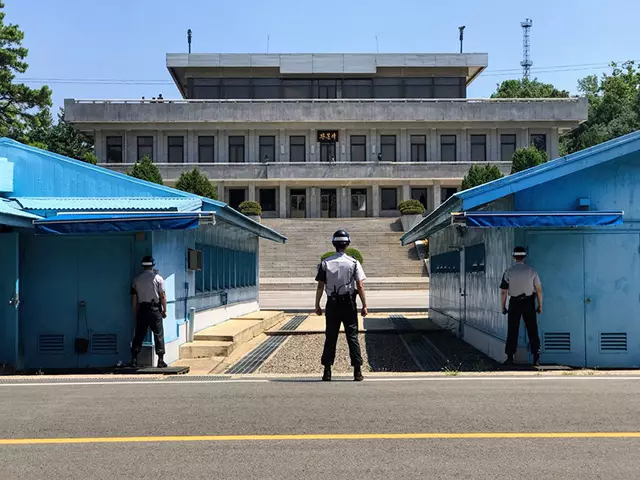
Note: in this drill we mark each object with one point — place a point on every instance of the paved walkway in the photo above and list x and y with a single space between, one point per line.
396 300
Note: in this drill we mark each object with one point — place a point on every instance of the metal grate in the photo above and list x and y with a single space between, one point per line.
51 343
104 343
613 342
251 362
557 341
295 322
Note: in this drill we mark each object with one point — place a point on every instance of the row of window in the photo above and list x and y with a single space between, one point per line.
297 148
224 268
277 88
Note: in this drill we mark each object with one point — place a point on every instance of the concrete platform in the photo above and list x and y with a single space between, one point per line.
375 323
378 301
371 283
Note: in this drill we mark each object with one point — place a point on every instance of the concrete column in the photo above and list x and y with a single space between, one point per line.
406 192
553 144
282 147
373 142
252 192
375 199
223 148
523 138
160 148
283 200
437 195
132 147
251 147
341 146
403 154
125 148
312 147
313 203
434 145
463 146
345 203
191 149
99 145
493 151
221 193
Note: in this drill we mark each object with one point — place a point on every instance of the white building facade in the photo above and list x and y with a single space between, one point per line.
324 135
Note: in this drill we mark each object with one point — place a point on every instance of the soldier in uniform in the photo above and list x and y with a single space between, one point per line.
341 276
522 285
149 304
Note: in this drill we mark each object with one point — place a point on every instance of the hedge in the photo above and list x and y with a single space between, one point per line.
250 208
352 252
411 207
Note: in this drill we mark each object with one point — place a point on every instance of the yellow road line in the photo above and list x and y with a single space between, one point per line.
331 436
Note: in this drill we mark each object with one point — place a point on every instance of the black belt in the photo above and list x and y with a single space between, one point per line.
344 297
522 297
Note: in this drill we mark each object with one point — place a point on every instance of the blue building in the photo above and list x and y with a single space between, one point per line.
579 218
71 239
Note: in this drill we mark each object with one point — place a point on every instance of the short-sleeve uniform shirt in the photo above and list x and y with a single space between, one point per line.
148 286
520 279
340 272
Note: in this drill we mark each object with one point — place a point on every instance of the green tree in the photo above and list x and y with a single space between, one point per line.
524 158
61 138
145 169
196 182
525 88
19 104
479 175
614 108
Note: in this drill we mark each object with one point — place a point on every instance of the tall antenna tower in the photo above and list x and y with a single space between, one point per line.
526 48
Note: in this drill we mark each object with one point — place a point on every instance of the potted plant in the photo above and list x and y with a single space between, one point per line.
412 212
352 252
252 210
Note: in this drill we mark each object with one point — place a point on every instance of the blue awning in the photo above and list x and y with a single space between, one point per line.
91 223
538 219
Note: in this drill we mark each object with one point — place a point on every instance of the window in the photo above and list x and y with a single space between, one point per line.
389 198
507 147
268 199
224 268
266 88
145 147
326 89
478 148
445 193
387 87
296 88
539 140
388 148
176 149
358 148
204 88
448 87
114 149
418 87
421 195
267 148
206 149
357 88
236 149
448 150
236 88
418 148
297 148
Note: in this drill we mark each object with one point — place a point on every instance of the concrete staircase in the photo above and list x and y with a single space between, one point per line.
378 239
222 339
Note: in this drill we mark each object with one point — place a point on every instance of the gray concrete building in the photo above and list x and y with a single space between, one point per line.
324 135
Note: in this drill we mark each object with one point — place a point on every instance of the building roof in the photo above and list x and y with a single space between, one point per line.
11 214
547 172
109 204
324 63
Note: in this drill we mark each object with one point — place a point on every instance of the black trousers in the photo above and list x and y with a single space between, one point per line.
522 308
149 316
341 311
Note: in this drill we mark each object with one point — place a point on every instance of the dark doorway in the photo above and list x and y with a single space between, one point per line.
358 202
328 203
420 194
298 202
236 197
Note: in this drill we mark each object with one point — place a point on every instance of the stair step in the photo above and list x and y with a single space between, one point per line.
206 349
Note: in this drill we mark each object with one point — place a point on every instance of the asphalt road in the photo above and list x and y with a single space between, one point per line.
437 407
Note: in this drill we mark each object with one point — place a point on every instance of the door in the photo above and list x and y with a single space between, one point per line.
611 300
420 194
298 201
358 202
327 152
328 203
559 261
236 197
76 288
9 298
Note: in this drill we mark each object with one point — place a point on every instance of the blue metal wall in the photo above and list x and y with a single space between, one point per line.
8 309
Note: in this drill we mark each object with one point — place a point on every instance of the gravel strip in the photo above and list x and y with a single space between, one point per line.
461 356
301 354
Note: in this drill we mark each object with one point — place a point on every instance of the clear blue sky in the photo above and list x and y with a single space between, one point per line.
127 39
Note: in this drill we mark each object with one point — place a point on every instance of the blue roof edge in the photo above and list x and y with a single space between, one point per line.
236 218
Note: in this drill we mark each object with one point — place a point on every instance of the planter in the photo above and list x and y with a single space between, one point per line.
410 221
257 218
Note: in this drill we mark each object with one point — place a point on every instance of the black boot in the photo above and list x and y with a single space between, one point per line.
536 360
134 362
327 374
161 363
509 360
357 374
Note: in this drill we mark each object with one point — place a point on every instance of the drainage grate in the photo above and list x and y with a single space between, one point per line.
51 343
557 341
400 322
613 342
104 343
294 323
424 353
251 362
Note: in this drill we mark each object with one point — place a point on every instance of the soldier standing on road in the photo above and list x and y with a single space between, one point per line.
522 285
149 304
341 276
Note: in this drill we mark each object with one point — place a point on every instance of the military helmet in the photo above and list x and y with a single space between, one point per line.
341 238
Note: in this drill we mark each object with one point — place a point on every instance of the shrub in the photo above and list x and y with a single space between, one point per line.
479 175
146 170
352 252
411 207
196 182
250 208
525 158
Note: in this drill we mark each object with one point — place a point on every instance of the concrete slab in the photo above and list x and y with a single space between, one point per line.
372 323
236 331
206 349
199 366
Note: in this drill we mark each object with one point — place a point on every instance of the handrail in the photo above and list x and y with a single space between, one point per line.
327 100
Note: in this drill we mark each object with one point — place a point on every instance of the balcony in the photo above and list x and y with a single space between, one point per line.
323 172
82 112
